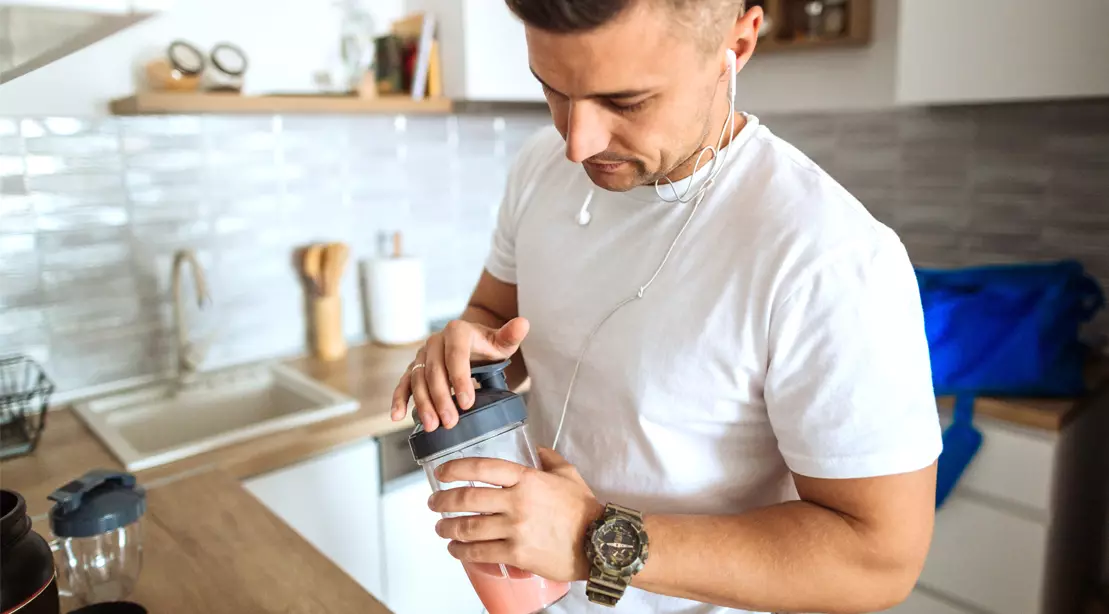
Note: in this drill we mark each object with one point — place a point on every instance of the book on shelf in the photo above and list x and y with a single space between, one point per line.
414 65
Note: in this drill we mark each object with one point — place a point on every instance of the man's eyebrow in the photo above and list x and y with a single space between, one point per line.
606 95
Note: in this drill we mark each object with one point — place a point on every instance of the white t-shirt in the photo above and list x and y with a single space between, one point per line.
784 334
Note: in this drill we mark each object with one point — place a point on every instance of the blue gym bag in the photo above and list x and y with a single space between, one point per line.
1002 330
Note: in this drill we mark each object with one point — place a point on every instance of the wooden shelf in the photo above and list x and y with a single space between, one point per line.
773 45
189 103
788 31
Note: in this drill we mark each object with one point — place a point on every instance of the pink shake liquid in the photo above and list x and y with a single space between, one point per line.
504 589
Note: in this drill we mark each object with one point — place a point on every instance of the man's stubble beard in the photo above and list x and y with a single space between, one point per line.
660 177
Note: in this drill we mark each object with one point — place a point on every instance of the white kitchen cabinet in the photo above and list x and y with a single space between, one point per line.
483 49
1017 534
417 558
954 51
333 502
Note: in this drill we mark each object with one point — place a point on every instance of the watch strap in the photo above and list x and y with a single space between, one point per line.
604 588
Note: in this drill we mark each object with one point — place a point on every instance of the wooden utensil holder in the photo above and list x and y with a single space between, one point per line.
326 325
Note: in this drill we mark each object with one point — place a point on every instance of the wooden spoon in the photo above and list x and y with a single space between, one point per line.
335 260
313 267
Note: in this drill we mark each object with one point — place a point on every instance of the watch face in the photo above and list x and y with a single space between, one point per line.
617 543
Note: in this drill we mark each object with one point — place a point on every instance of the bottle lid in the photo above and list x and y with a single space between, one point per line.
495 408
97 502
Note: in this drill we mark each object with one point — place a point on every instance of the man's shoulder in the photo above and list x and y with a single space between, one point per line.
803 215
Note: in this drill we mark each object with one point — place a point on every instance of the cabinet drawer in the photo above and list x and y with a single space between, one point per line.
920 602
987 558
1013 464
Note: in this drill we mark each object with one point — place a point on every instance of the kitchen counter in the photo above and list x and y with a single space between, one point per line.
213 547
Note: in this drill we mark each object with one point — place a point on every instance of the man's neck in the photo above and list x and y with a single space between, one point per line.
685 169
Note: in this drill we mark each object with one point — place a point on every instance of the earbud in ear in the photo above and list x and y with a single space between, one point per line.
729 56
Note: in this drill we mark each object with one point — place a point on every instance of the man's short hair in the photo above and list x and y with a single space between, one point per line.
706 17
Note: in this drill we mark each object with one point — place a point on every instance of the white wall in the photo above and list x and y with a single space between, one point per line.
834 79
285 42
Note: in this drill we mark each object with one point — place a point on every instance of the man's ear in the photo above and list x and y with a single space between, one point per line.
745 34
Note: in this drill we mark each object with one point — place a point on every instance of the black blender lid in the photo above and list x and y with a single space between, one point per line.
97 502
495 407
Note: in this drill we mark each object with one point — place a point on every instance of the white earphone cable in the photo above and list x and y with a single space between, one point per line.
583 217
638 295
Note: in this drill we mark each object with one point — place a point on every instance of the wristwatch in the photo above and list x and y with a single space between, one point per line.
616 546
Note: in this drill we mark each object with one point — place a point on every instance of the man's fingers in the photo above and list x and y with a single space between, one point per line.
425 409
470 499
437 385
493 471
457 341
479 527
488 552
508 337
401 395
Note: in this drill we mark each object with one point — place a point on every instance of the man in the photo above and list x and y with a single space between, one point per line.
758 408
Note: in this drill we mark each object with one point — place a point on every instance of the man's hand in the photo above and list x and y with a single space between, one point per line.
444 362
535 522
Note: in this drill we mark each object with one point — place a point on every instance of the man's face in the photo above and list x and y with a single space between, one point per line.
632 98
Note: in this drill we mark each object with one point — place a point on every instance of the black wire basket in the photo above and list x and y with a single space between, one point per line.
24 395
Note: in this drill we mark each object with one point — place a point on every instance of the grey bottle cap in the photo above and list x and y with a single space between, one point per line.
95 503
498 409
495 407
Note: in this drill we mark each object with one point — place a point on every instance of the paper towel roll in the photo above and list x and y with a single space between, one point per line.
396 301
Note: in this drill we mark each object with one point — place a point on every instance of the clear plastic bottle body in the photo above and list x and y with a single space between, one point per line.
503 589
100 568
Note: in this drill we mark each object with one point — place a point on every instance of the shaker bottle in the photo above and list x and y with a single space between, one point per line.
98 551
495 427
27 583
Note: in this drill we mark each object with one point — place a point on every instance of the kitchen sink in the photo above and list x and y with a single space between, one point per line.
165 422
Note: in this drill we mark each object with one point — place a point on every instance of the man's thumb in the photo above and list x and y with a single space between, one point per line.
509 336
553 462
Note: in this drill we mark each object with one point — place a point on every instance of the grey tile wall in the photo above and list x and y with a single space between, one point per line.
91 211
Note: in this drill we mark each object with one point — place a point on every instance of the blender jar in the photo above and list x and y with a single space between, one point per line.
97 521
495 427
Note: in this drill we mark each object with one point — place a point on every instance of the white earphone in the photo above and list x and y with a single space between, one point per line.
716 165
584 215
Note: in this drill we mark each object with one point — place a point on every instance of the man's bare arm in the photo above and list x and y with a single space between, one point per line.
847 546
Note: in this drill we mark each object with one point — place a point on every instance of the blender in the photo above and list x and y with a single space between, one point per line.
494 427
97 523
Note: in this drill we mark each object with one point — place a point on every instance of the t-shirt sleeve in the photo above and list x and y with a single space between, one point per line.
849 385
501 261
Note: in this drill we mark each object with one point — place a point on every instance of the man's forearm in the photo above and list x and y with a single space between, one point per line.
516 373
794 557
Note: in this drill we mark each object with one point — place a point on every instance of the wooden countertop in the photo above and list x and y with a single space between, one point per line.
209 546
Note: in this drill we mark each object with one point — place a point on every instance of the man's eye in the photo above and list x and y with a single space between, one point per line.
628 108
548 91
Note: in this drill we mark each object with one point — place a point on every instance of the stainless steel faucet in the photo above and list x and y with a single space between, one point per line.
188 359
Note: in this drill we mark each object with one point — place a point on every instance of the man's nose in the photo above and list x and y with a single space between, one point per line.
586 132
